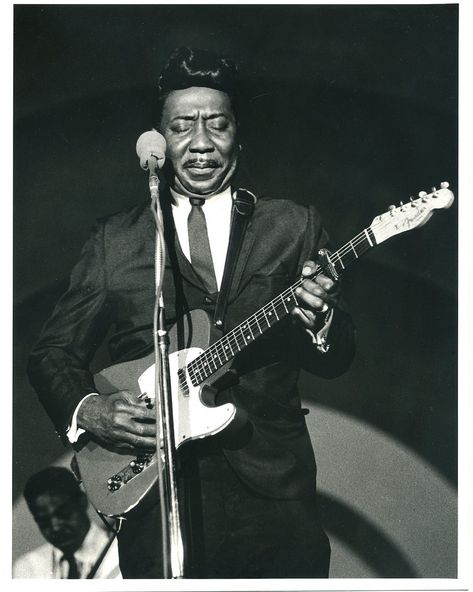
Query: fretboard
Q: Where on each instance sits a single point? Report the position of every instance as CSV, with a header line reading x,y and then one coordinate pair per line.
x,y
228,346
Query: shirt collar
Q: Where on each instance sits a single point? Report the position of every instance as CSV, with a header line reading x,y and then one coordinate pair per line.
x,y
180,200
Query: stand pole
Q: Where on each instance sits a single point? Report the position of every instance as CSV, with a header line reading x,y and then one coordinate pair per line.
x,y
172,542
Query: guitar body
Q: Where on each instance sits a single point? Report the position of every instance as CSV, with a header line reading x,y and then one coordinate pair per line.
x,y
115,481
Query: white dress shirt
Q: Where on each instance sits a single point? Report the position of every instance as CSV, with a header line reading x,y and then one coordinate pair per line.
x,y
218,213
47,562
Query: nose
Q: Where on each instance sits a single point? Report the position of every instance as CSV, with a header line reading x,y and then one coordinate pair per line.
x,y
55,524
200,141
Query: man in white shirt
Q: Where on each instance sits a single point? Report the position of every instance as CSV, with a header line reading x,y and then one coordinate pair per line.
x,y
76,548
248,502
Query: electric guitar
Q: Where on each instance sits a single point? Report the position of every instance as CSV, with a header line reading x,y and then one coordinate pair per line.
x,y
114,481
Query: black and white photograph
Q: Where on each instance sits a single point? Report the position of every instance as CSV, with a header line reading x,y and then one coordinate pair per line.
x,y
235,295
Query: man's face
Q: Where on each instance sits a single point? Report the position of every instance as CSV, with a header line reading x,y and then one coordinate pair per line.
x,y
200,130
62,519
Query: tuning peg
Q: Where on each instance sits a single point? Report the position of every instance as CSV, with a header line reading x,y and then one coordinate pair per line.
x,y
423,195
444,185
433,189
391,209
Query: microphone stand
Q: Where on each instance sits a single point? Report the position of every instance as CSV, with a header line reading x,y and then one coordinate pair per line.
x,y
172,541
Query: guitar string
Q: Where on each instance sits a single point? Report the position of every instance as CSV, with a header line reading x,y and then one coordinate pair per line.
x,y
202,364
253,323
218,349
215,351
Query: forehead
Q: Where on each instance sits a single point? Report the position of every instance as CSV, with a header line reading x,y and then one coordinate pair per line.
x,y
196,99
49,502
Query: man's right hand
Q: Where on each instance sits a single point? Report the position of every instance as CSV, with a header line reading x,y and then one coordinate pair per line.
x,y
121,420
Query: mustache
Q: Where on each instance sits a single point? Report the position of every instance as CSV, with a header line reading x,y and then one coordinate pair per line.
x,y
207,162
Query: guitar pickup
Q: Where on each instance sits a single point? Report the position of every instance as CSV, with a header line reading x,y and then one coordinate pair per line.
x,y
134,467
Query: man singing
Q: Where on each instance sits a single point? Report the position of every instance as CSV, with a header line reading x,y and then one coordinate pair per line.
x,y
249,500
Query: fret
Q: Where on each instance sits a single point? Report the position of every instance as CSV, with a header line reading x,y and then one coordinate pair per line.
x,y
205,365
275,311
290,298
281,298
229,346
354,250
293,295
194,379
192,376
242,334
217,356
339,259
281,307
247,337
236,340
249,329
209,361
224,350
265,316
368,237
257,323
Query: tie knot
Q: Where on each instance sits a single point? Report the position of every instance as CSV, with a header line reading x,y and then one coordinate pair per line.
x,y
197,201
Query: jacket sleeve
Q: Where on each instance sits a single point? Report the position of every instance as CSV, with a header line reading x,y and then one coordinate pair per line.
x,y
58,366
341,335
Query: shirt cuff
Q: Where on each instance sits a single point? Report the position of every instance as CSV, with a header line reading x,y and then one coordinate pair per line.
x,y
320,339
73,431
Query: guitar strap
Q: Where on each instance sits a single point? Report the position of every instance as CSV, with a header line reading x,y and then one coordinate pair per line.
x,y
243,205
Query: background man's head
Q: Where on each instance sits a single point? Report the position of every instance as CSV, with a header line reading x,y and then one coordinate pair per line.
x,y
196,113
59,508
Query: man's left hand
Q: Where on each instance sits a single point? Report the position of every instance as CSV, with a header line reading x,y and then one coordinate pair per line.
x,y
315,296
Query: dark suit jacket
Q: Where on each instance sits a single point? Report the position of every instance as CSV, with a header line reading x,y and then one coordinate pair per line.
x,y
113,286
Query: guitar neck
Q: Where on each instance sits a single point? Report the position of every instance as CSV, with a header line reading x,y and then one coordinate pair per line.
x,y
228,346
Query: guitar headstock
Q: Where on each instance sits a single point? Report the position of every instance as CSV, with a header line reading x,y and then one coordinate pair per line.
x,y
411,215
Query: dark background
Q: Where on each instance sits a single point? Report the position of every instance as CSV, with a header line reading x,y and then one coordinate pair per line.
x,y
352,108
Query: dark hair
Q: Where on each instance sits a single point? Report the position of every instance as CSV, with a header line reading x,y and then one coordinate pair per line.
x,y
188,67
52,479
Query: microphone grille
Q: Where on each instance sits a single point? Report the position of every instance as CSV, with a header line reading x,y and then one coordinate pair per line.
x,y
151,143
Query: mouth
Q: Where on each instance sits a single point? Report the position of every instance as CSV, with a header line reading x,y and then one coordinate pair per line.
x,y
202,170
202,165
64,541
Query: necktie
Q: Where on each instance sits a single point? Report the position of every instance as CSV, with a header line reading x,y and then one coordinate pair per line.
x,y
201,256
73,573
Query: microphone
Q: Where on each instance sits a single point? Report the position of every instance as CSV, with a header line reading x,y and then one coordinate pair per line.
x,y
151,150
